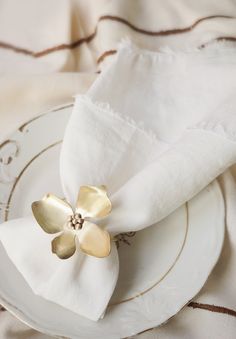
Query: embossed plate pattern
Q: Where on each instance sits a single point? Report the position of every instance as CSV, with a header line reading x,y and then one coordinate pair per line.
x,y
161,268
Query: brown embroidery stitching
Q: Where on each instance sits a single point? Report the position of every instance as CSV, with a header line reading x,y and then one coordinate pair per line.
x,y
220,38
105,54
213,308
90,37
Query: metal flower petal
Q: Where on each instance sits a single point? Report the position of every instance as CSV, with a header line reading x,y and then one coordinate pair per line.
x,y
93,202
94,241
64,245
51,213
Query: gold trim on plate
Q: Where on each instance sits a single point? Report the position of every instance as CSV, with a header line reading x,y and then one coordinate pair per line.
x,y
138,294
169,269
21,128
20,175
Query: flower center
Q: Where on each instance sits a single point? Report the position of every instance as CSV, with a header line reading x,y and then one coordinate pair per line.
x,y
75,221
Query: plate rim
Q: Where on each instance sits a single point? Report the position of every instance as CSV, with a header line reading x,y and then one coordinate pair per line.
x,y
18,313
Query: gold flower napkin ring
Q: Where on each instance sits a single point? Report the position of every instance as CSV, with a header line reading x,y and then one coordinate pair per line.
x,y
55,215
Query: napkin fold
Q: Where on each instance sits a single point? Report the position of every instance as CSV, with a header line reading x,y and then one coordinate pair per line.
x,y
155,128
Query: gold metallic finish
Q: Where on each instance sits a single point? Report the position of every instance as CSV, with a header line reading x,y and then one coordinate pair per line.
x,y
64,245
93,202
8,207
56,215
95,241
51,213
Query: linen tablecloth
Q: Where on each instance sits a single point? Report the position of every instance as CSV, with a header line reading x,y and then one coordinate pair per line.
x,y
50,51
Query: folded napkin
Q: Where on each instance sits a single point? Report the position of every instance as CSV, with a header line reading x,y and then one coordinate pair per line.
x,y
155,128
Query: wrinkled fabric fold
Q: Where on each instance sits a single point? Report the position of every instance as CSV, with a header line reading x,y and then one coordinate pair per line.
x,y
82,283
155,128
146,188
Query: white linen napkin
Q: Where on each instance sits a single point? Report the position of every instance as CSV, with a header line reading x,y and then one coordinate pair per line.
x,y
155,128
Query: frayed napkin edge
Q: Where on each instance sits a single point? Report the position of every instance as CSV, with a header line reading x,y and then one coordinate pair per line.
x,y
106,107
211,50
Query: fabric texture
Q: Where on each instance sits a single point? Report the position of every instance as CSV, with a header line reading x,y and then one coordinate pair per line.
x,y
107,143
73,47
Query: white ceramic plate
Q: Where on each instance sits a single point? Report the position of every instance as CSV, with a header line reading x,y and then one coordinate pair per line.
x,y
161,268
